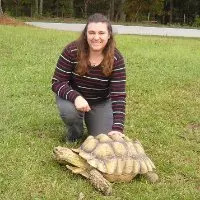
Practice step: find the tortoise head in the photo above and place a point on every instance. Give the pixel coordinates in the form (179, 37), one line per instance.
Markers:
(64, 155)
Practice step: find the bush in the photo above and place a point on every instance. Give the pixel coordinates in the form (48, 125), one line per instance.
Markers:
(197, 21)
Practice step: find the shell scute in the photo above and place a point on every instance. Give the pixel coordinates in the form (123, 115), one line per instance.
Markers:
(117, 138)
(143, 167)
(119, 149)
(120, 166)
(138, 147)
(90, 144)
(128, 168)
(103, 138)
(103, 151)
(131, 149)
(111, 165)
(101, 166)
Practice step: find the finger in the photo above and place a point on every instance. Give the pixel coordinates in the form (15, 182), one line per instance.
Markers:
(111, 133)
(88, 108)
(80, 109)
(84, 109)
(120, 134)
(116, 133)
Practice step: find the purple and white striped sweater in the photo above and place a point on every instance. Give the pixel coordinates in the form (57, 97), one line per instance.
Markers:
(94, 86)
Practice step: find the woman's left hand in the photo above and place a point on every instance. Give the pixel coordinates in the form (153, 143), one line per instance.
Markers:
(116, 133)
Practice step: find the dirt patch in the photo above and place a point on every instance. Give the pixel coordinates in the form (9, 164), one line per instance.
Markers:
(192, 132)
(6, 20)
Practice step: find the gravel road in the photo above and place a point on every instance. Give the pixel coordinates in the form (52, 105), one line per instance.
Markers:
(121, 29)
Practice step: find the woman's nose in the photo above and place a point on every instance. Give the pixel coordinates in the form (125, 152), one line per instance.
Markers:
(96, 36)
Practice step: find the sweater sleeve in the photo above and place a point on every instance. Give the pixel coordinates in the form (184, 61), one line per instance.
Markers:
(64, 68)
(118, 93)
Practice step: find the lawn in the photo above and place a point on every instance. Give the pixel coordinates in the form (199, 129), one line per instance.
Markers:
(163, 112)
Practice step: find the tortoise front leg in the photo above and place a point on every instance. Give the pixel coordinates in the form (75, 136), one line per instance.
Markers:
(99, 182)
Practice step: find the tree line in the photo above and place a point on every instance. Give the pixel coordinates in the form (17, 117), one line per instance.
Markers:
(155, 11)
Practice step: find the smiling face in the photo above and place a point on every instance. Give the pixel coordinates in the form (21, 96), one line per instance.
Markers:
(97, 36)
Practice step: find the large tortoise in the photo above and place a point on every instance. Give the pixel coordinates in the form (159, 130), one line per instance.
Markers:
(104, 159)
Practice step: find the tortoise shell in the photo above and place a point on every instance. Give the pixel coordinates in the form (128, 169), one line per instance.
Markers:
(118, 158)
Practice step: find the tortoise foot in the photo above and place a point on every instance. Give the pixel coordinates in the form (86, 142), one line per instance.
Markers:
(152, 177)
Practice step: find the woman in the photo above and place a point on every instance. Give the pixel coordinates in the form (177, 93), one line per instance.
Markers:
(89, 82)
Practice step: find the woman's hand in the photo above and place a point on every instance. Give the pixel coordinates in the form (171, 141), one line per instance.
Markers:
(81, 104)
(116, 133)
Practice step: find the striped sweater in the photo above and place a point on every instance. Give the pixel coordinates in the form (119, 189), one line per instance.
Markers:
(94, 86)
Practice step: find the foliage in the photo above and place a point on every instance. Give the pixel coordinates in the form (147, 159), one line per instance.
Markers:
(185, 11)
(163, 100)
(139, 9)
(197, 21)
(31, 7)
(163, 11)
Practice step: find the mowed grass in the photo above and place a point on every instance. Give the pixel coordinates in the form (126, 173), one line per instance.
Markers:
(163, 112)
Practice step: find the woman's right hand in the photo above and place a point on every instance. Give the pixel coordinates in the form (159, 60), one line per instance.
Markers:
(81, 104)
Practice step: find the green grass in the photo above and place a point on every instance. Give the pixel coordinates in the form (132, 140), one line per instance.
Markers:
(163, 101)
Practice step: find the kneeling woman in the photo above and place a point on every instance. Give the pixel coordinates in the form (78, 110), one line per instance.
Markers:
(89, 82)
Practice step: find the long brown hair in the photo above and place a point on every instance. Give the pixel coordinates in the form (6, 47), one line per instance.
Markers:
(83, 48)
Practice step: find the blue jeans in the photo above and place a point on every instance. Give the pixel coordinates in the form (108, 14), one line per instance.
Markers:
(98, 120)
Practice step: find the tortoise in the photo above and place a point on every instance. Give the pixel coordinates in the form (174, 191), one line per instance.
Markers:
(104, 159)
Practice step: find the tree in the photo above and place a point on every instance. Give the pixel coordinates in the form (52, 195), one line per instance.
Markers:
(41, 7)
(1, 10)
(86, 2)
(71, 8)
(171, 11)
(154, 9)
(136, 9)
(65, 8)
(120, 11)
(112, 10)
(38, 7)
